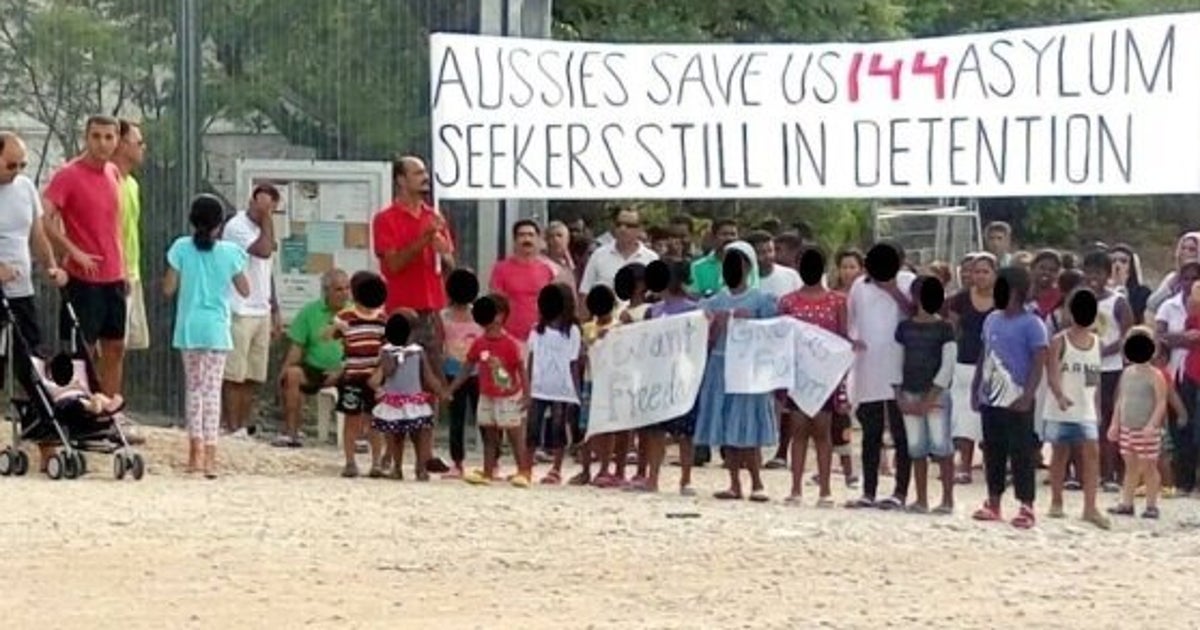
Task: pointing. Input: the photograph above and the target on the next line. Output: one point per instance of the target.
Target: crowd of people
(997, 354)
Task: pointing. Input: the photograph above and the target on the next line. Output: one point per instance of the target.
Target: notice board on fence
(323, 220)
(1098, 108)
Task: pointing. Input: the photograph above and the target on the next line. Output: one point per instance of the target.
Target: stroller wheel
(55, 467)
(8, 462)
(22, 464)
(70, 466)
(137, 466)
(118, 467)
(81, 463)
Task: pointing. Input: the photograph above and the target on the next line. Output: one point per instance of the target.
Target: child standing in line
(408, 387)
(630, 286)
(600, 302)
(669, 281)
(1072, 416)
(200, 269)
(742, 423)
(496, 357)
(1113, 319)
(1138, 416)
(923, 393)
(360, 326)
(459, 332)
(1006, 381)
(555, 345)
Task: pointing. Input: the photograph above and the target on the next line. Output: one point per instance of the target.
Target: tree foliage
(350, 78)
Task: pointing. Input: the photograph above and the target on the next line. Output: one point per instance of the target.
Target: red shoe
(987, 513)
(1025, 518)
(606, 481)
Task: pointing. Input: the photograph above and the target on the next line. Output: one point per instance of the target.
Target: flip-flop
(727, 495)
(943, 510)
(793, 500)
(861, 503)
(825, 503)
(758, 496)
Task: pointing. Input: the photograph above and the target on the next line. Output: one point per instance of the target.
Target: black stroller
(41, 421)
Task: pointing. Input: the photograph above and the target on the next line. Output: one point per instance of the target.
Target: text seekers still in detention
(1076, 109)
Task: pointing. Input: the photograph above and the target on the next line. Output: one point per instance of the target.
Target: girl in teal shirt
(200, 269)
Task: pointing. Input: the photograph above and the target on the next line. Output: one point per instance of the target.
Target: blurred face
(849, 270)
(13, 160)
(983, 275)
(132, 148)
(262, 206)
(415, 179)
(1045, 273)
(526, 240)
(661, 246)
(337, 294)
(1121, 265)
(101, 142)
(1096, 279)
(766, 256)
(1189, 251)
(557, 239)
(998, 242)
(724, 235)
(579, 230)
(628, 227)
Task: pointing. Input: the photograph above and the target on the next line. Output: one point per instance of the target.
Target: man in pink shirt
(82, 214)
(520, 278)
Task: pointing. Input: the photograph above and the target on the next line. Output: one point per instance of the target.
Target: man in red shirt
(414, 247)
(82, 211)
(520, 278)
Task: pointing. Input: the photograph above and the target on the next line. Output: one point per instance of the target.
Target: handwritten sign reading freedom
(647, 372)
(766, 355)
(1081, 109)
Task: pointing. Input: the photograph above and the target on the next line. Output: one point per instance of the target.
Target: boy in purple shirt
(1006, 381)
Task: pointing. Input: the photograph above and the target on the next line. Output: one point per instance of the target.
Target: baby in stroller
(74, 404)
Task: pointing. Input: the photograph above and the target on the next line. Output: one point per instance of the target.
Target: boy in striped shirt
(360, 326)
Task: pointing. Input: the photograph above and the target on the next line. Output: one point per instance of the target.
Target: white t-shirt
(606, 261)
(20, 204)
(873, 317)
(1173, 313)
(242, 231)
(782, 281)
(1109, 330)
(552, 353)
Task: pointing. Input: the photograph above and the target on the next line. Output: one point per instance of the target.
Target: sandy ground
(281, 542)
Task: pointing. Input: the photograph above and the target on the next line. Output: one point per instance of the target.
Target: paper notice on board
(305, 199)
(293, 254)
(325, 237)
(345, 202)
(294, 290)
(351, 260)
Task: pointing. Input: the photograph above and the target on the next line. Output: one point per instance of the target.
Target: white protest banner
(822, 360)
(552, 378)
(1075, 109)
(760, 355)
(647, 372)
(765, 355)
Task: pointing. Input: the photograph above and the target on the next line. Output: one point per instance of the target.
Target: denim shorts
(1070, 432)
(929, 435)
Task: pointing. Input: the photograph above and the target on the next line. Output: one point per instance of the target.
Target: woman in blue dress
(741, 423)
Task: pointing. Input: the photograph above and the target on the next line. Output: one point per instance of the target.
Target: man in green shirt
(130, 153)
(314, 358)
(706, 270)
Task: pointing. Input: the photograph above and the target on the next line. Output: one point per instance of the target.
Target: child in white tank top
(1072, 418)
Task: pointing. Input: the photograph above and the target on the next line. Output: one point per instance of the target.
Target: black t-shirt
(970, 325)
(922, 343)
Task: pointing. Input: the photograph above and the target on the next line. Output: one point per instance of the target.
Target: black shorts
(100, 308)
(354, 398)
(27, 340)
(314, 380)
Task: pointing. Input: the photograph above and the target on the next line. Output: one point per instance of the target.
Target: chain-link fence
(214, 81)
